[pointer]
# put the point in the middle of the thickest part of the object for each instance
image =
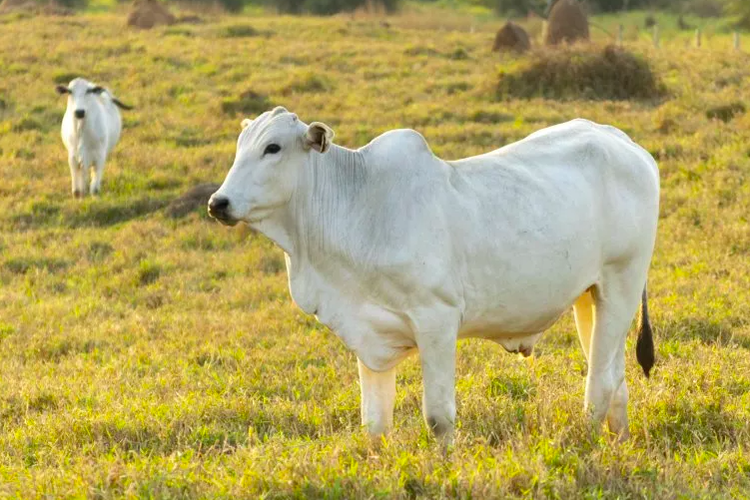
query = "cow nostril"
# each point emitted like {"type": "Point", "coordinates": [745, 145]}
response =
{"type": "Point", "coordinates": [80, 113]}
{"type": "Point", "coordinates": [218, 204]}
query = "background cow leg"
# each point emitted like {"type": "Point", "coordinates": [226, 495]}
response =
{"type": "Point", "coordinates": [75, 174]}
{"type": "Point", "coordinates": [438, 357]}
{"type": "Point", "coordinates": [83, 175]}
{"type": "Point", "coordinates": [96, 180]}
{"type": "Point", "coordinates": [378, 397]}
{"type": "Point", "coordinates": [606, 391]}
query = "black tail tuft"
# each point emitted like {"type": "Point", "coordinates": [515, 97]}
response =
{"type": "Point", "coordinates": [644, 347]}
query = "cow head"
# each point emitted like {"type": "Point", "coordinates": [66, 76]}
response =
{"type": "Point", "coordinates": [272, 150]}
{"type": "Point", "coordinates": [80, 92]}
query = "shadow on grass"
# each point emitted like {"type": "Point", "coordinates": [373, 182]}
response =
{"type": "Point", "coordinates": [98, 213]}
{"type": "Point", "coordinates": [706, 331]}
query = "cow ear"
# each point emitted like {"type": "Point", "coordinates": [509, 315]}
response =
{"type": "Point", "coordinates": [246, 122]}
{"type": "Point", "coordinates": [319, 137]}
{"type": "Point", "coordinates": [62, 89]}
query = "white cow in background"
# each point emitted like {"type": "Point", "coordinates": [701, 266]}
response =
{"type": "Point", "coordinates": [397, 250]}
{"type": "Point", "coordinates": [90, 129]}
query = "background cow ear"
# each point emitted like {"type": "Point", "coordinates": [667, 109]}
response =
{"type": "Point", "coordinates": [319, 137]}
{"type": "Point", "coordinates": [246, 122]}
{"type": "Point", "coordinates": [62, 89]}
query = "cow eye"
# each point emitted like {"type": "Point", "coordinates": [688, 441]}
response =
{"type": "Point", "coordinates": [272, 149]}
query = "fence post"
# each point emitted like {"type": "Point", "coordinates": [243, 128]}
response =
{"type": "Point", "coordinates": [736, 40]}
{"type": "Point", "coordinates": [620, 30]}
{"type": "Point", "coordinates": [656, 36]}
{"type": "Point", "coordinates": [698, 38]}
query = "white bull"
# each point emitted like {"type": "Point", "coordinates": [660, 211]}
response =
{"type": "Point", "coordinates": [396, 250]}
{"type": "Point", "coordinates": [90, 129]}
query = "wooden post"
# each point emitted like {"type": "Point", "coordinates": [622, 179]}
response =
{"type": "Point", "coordinates": [736, 40]}
{"type": "Point", "coordinates": [620, 30]}
{"type": "Point", "coordinates": [698, 38]}
{"type": "Point", "coordinates": [656, 36]}
{"type": "Point", "coordinates": [544, 30]}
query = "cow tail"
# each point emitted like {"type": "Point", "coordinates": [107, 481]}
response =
{"type": "Point", "coordinates": [644, 348]}
{"type": "Point", "coordinates": [120, 104]}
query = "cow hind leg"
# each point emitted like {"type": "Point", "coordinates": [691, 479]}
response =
{"type": "Point", "coordinates": [612, 307]}
{"type": "Point", "coordinates": [583, 311]}
{"type": "Point", "coordinates": [378, 398]}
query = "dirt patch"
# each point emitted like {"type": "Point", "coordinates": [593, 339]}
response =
{"type": "Point", "coordinates": [581, 73]}
{"type": "Point", "coordinates": [146, 14]}
{"type": "Point", "coordinates": [567, 23]}
{"type": "Point", "coordinates": [195, 198]}
{"type": "Point", "coordinates": [511, 37]}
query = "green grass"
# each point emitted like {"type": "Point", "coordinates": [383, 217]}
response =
{"type": "Point", "coordinates": [147, 357]}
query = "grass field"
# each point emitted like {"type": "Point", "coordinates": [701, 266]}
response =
{"type": "Point", "coordinates": [146, 357]}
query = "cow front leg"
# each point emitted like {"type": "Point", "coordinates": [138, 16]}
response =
{"type": "Point", "coordinates": [96, 179]}
{"type": "Point", "coordinates": [75, 176]}
{"type": "Point", "coordinates": [438, 357]}
{"type": "Point", "coordinates": [378, 397]}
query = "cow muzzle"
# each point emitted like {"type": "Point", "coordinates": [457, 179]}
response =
{"type": "Point", "coordinates": [218, 208]}
{"type": "Point", "coordinates": [80, 114]}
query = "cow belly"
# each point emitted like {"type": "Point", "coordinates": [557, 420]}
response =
{"type": "Point", "coordinates": [517, 335]}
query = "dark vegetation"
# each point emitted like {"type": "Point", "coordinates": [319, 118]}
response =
{"type": "Point", "coordinates": [581, 72]}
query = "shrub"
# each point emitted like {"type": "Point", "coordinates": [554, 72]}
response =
{"type": "Point", "coordinates": [249, 103]}
{"type": "Point", "coordinates": [580, 72]}
{"type": "Point", "coordinates": [725, 112]}
{"type": "Point", "coordinates": [239, 31]}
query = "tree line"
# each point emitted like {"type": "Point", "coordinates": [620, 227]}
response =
{"type": "Point", "coordinates": [704, 8]}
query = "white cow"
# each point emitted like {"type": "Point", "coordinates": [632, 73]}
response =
{"type": "Point", "coordinates": [90, 129]}
{"type": "Point", "coordinates": [396, 250]}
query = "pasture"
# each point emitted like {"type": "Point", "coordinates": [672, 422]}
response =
{"type": "Point", "coordinates": [151, 357]}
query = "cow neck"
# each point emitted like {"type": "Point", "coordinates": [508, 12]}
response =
{"type": "Point", "coordinates": [325, 201]}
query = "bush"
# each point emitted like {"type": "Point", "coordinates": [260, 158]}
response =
{"type": "Point", "coordinates": [725, 112]}
{"type": "Point", "coordinates": [741, 9]}
{"type": "Point", "coordinates": [233, 5]}
{"type": "Point", "coordinates": [519, 7]}
{"type": "Point", "coordinates": [328, 7]}
{"type": "Point", "coordinates": [704, 8]}
{"type": "Point", "coordinates": [580, 73]}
